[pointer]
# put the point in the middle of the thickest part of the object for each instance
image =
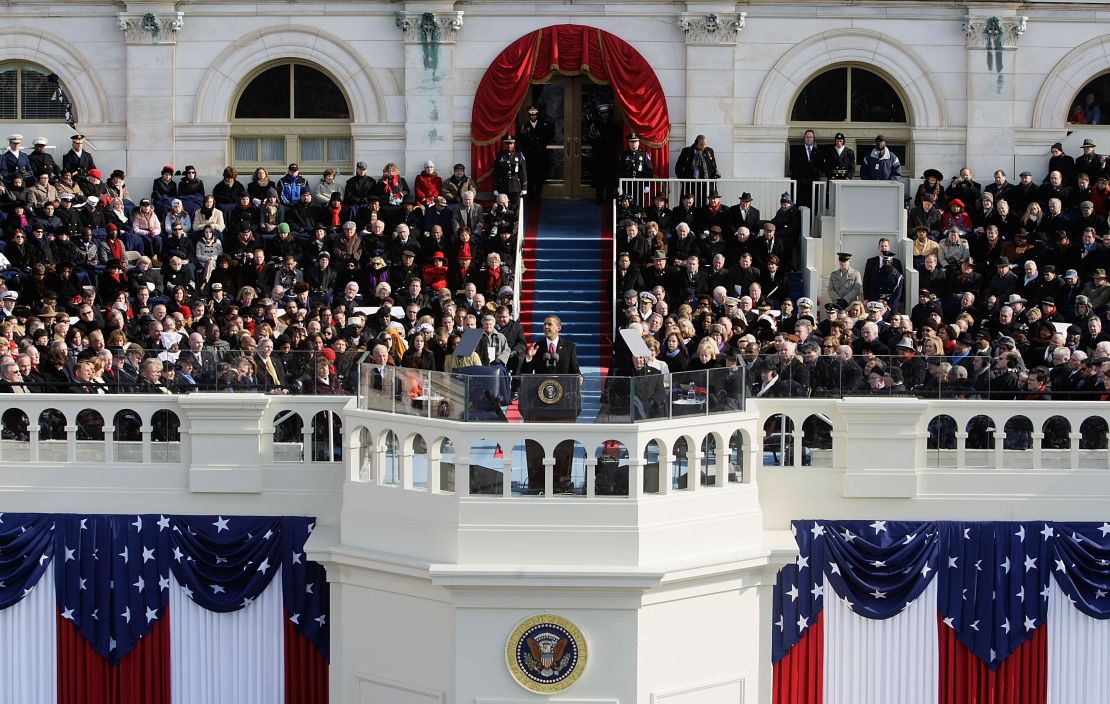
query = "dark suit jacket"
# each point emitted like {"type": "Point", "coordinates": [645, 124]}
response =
{"type": "Point", "coordinates": [803, 168]}
{"type": "Point", "coordinates": [737, 218]}
{"type": "Point", "coordinates": [566, 364]}
{"type": "Point", "coordinates": [264, 380]}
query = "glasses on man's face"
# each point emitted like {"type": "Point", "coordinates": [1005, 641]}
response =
{"type": "Point", "coordinates": [17, 237]}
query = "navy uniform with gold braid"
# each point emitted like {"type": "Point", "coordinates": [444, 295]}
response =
{"type": "Point", "coordinates": [534, 139]}
{"type": "Point", "coordinates": [510, 171]}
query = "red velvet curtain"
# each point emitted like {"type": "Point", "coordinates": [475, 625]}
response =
{"type": "Point", "coordinates": [569, 49]}
{"type": "Point", "coordinates": [141, 677]}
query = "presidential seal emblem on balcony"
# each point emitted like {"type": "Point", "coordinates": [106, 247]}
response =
{"type": "Point", "coordinates": [546, 653]}
{"type": "Point", "coordinates": [550, 391]}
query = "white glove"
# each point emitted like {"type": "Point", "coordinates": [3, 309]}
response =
{"type": "Point", "coordinates": [495, 194]}
{"type": "Point", "coordinates": [524, 192]}
{"type": "Point", "coordinates": [647, 189]}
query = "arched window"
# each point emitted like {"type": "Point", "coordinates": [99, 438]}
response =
{"type": "Point", "coordinates": [1088, 107]}
{"type": "Point", "coordinates": [29, 92]}
{"type": "Point", "coordinates": [857, 101]}
{"type": "Point", "coordinates": [290, 112]}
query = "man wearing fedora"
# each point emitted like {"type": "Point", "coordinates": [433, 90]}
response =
{"type": "Point", "coordinates": [744, 214]}
{"type": "Point", "coordinates": [1097, 290]}
{"type": "Point", "coordinates": [1089, 162]}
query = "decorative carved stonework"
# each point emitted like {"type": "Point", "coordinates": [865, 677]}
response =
{"type": "Point", "coordinates": [430, 27]}
{"type": "Point", "coordinates": [994, 32]}
{"type": "Point", "coordinates": [712, 28]}
{"type": "Point", "coordinates": [150, 28]}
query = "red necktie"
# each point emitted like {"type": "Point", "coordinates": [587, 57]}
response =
{"type": "Point", "coordinates": [551, 348]}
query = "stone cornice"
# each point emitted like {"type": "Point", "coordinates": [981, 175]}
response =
{"type": "Point", "coordinates": [150, 27]}
{"type": "Point", "coordinates": [994, 32]}
{"type": "Point", "coordinates": [712, 28]}
{"type": "Point", "coordinates": [430, 27]}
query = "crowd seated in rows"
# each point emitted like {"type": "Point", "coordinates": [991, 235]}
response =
{"type": "Point", "coordinates": [1014, 297]}
{"type": "Point", "coordinates": [278, 285]}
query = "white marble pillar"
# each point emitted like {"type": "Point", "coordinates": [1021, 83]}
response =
{"type": "Point", "coordinates": [992, 44]}
{"type": "Point", "coordinates": [430, 31]}
{"type": "Point", "coordinates": [150, 30]}
{"type": "Point", "coordinates": [711, 32]}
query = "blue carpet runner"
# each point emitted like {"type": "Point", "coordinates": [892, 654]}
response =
{"type": "Point", "coordinates": [569, 265]}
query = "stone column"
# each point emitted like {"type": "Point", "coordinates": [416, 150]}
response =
{"type": "Point", "coordinates": [991, 46]}
{"type": "Point", "coordinates": [883, 446]}
{"type": "Point", "coordinates": [429, 34]}
{"type": "Point", "coordinates": [150, 30]}
{"type": "Point", "coordinates": [711, 36]}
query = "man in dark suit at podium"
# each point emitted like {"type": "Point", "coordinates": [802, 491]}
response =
{"type": "Point", "coordinates": [551, 399]}
{"type": "Point", "coordinates": [554, 355]}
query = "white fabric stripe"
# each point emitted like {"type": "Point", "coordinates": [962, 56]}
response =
{"type": "Point", "coordinates": [871, 661]}
{"type": "Point", "coordinates": [29, 646]}
{"type": "Point", "coordinates": [1078, 652]}
{"type": "Point", "coordinates": [234, 658]}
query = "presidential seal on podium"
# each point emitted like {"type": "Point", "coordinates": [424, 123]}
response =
{"type": "Point", "coordinates": [546, 653]}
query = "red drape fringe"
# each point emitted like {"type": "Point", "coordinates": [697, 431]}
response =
{"type": "Point", "coordinates": [142, 676]}
{"type": "Point", "coordinates": [799, 677]}
{"type": "Point", "coordinates": [568, 49]}
{"type": "Point", "coordinates": [965, 679]}
{"type": "Point", "coordinates": [306, 670]}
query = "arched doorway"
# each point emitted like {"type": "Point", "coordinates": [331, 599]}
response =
{"type": "Point", "coordinates": [572, 105]}
{"type": "Point", "coordinates": [568, 50]}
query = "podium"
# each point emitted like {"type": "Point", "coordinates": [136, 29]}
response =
{"type": "Point", "coordinates": [550, 397]}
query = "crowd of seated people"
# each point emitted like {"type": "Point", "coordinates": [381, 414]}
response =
{"type": "Point", "coordinates": [1014, 297]}
{"type": "Point", "coordinates": [279, 285]}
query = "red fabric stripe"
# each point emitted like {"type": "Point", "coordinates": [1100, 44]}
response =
{"type": "Point", "coordinates": [799, 677]}
{"type": "Point", "coordinates": [965, 679]}
{"type": "Point", "coordinates": [607, 287]}
{"type": "Point", "coordinates": [142, 676]}
{"type": "Point", "coordinates": [306, 670]}
{"type": "Point", "coordinates": [528, 257]}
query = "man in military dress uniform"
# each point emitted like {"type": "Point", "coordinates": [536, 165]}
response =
{"type": "Point", "coordinates": [840, 162]}
{"type": "Point", "coordinates": [42, 161]}
{"type": "Point", "coordinates": [604, 136]}
{"type": "Point", "coordinates": [535, 134]}
{"type": "Point", "coordinates": [845, 283]}
{"type": "Point", "coordinates": [510, 172]}
{"type": "Point", "coordinates": [77, 161]}
{"type": "Point", "coordinates": [635, 164]}
{"type": "Point", "coordinates": [14, 162]}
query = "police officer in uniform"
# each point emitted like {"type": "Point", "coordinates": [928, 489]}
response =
{"type": "Point", "coordinates": [510, 172]}
{"type": "Point", "coordinates": [535, 134]}
{"type": "Point", "coordinates": [635, 164]}
{"type": "Point", "coordinates": [77, 161]}
{"type": "Point", "coordinates": [840, 162]}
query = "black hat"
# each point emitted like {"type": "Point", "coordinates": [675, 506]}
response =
{"type": "Point", "coordinates": [879, 138]}
{"type": "Point", "coordinates": [294, 167]}
{"type": "Point", "coordinates": [745, 196]}
{"type": "Point", "coordinates": [532, 109]}
{"type": "Point", "coordinates": [1089, 143]}
{"type": "Point", "coordinates": [1002, 261]}
{"type": "Point", "coordinates": [934, 173]}
{"type": "Point", "coordinates": [965, 339]}
{"type": "Point", "coordinates": [1048, 300]}
{"type": "Point", "coordinates": [843, 256]}
{"type": "Point", "coordinates": [713, 193]}
{"type": "Point", "coordinates": [838, 135]}
{"type": "Point", "coordinates": [509, 139]}
{"type": "Point", "coordinates": [633, 137]}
